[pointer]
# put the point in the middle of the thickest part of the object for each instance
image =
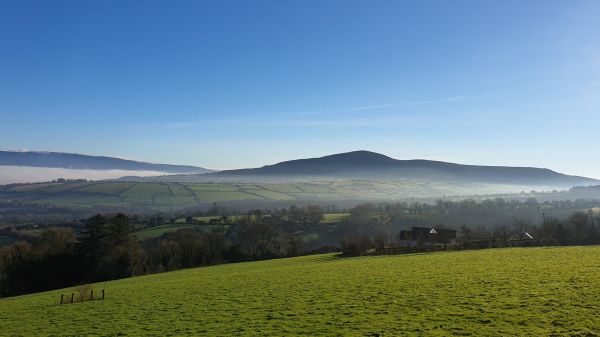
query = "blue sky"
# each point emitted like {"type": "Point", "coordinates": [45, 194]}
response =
{"type": "Point", "coordinates": [228, 84]}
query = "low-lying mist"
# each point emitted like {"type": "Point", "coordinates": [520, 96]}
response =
{"type": "Point", "coordinates": [29, 174]}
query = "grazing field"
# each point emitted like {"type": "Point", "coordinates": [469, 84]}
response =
{"type": "Point", "coordinates": [161, 230]}
{"type": "Point", "coordinates": [166, 196]}
{"type": "Point", "coordinates": [496, 292]}
{"type": "Point", "coordinates": [334, 217]}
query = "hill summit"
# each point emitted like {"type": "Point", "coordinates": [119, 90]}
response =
{"type": "Point", "coordinates": [369, 165]}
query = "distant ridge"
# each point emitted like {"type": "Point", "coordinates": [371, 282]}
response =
{"type": "Point", "coordinates": [85, 162]}
{"type": "Point", "coordinates": [374, 166]}
{"type": "Point", "coordinates": [355, 165]}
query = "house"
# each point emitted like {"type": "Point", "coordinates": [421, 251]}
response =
{"type": "Point", "coordinates": [427, 236]}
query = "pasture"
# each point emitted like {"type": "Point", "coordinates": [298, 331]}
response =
{"type": "Point", "coordinates": [334, 217]}
{"type": "Point", "coordinates": [153, 232]}
{"type": "Point", "coordinates": [168, 196]}
{"type": "Point", "coordinates": [495, 292]}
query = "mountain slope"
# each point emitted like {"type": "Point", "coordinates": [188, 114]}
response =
{"type": "Point", "coordinates": [84, 162]}
{"type": "Point", "coordinates": [369, 165]}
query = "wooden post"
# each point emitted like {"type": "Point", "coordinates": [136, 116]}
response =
{"type": "Point", "coordinates": [61, 298]}
{"type": "Point", "coordinates": [72, 295]}
{"type": "Point", "coordinates": [102, 293]}
{"type": "Point", "coordinates": [91, 294]}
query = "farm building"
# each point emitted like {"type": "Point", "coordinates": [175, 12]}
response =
{"type": "Point", "coordinates": [427, 236]}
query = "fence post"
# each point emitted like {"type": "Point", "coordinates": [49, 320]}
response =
{"type": "Point", "coordinates": [91, 294]}
{"type": "Point", "coordinates": [61, 298]}
{"type": "Point", "coordinates": [72, 295]}
{"type": "Point", "coordinates": [102, 293]}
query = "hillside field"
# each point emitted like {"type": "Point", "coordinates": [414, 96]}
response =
{"type": "Point", "coordinates": [496, 292]}
{"type": "Point", "coordinates": [165, 196]}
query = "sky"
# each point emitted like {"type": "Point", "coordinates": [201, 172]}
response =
{"type": "Point", "coordinates": [230, 84]}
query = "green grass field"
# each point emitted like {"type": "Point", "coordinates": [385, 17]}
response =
{"type": "Point", "coordinates": [334, 217]}
{"type": "Point", "coordinates": [496, 292]}
{"type": "Point", "coordinates": [166, 196]}
{"type": "Point", "coordinates": [160, 230]}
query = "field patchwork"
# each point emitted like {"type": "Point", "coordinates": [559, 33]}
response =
{"type": "Point", "coordinates": [166, 196]}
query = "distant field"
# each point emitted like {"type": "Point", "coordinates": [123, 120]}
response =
{"type": "Point", "coordinates": [334, 217]}
{"type": "Point", "coordinates": [230, 218]}
{"type": "Point", "coordinates": [311, 237]}
{"type": "Point", "coordinates": [160, 230]}
{"type": "Point", "coordinates": [164, 196]}
{"type": "Point", "coordinates": [496, 292]}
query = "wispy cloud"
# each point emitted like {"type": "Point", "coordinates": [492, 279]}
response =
{"type": "Point", "coordinates": [337, 117]}
{"type": "Point", "coordinates": [365, 121]}
{"type": "Point", "coordinates": [392, 105]}
{"type": "Point", "coordinates": [172, 125]}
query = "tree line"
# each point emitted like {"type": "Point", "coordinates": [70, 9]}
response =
{"type": "Point", "coordinates": [491, 223]}
{"type": "Point", "coordinates": [105, 247]}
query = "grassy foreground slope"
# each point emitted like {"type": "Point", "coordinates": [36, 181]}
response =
{"type": "Point", "coordinates": [502, 292]}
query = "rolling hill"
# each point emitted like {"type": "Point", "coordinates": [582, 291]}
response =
{"type": "Point", "coordinates": [494, 292]}
{"type": "Point", "coordinates": [342, 178]}
{"type": "Point", "coordinates": [85, 162]}
{"type": "Point", "coordinates": [22, 167]}
{"type": "Point", "coordinates": [90, 197]}
{"type": "Point", "coordinates": [154, 196]}
{"type": "Point", "coordinates": [365, 165]}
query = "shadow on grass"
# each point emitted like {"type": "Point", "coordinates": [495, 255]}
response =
{"type": "Point", "coordinates": [338, 256]}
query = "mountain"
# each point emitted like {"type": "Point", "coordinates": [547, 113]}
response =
{"type": "Point", "coordinates": [84, 162]}
{"type": "Point", "coordinates": [356, 165]}
{"type": "Point", "coordinates": [367, 165]}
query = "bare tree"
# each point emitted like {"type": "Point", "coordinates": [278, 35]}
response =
{"type": "Point", "coordinates": [519, 226]}
{"type": "Point", "coordinates": [293, 244]}
{"type": "Point", "coordinates": [382, 237]}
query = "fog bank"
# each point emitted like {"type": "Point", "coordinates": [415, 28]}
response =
{"type": "Point", "coordinates": [29, 174]}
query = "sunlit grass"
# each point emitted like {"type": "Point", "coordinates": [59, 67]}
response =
{"type": "Point", "coordinates": [499, 292]}
{"type": "Point", "coordinates": [334, 217]}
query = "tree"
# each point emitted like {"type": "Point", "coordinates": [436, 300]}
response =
{"type": "Point", "coordinates": [293, 244]}
{"type": "Point", "coordinates": [121, 230]}
{"type": "Point", "coordinates": [382, 236]}
{"type": "Point", "coordinates": [94, 239]}
{"type": "Point", "coordinates": [520, 225]}
{"type": "Point", "coordinates": [57, 240]}
{"type": "Point", "coordinates": [356, 245]}
{"type": "Point", "coordinates": [465, 233]}
{"type": "Point", "coordinates": [314, 214]}
{"type": "Point", "coordinates": [578, 222]}
{"type": "Point", "coordinates": [123, 255]}
{"type": "Point", "coordinates": [109, 250]}
{"type": "Point", "coordinates": [17, 268]}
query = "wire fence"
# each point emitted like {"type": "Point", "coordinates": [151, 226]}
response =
{"type": "Point", "coordinates": [82, 294]}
